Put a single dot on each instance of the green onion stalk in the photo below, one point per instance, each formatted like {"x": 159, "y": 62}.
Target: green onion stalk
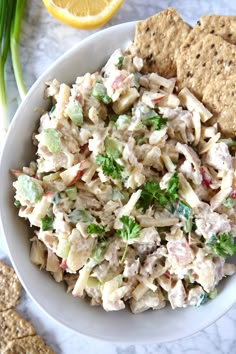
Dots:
{"x": 11, "y": 12}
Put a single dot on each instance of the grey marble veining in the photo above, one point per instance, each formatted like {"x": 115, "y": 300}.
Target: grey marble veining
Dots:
{"x": 43, "y": 40}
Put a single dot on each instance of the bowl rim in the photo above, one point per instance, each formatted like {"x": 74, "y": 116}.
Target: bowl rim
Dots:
{"x": 169, "y": 338}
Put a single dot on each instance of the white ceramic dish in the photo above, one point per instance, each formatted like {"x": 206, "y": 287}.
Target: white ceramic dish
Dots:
{"x": 122, "y": 326}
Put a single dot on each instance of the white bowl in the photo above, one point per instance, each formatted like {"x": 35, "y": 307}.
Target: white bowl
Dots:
{"x": 151, "y": 326}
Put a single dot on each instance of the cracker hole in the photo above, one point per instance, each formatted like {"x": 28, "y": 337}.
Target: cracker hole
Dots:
{"x": 204, "y": 64}
{"x": 223, "y": 25}
{"x": 212, "y": 31}
{"x": 212, "y": 46}
{"x": 147, "y": 29}
{"x": 198, "y": 23}
{"x": 197, "y": 56}
{"x": 229, "y": 35}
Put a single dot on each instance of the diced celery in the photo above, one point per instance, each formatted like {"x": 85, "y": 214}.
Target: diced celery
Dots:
{"x": 71, "y": 192}
{"x": 74, "y": 112}
{"x": 100, "y": 93}
{"x": 93, "y": 283}
{"x": 122, "y": 120}
{"x": 117, "y": 195}
{"x": 136, "y": 80}
{"x": 63, "y": 248}
{"x": 29, "y": 188}
{"x": 52, "y": 139}
{"x": 80, "y": 215}
{"x": 97, "y": 254}
{"x": 112, "y": 147}
{"x": 212, "y": 294}
{"x": 229, "y": 203}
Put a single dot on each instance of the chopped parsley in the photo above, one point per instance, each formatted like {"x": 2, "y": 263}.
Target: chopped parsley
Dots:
{"x": 96, "y": 229}
{"x": 120, "y": 62}
{"x": 17, "y": 203}
{"x": 223, "y": 245}
{"x": 157, "y": 121}
{"x": 130, "y": 230}
{"x": 109, "y": 166}
{"x": 47, "y": 223}
{"x": 152, "y": 193}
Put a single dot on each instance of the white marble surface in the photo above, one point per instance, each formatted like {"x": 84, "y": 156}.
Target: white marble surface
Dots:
{"x": 43, "y": 40}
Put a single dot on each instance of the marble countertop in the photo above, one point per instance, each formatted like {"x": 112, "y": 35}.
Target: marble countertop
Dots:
{"x": 43, "y": 40}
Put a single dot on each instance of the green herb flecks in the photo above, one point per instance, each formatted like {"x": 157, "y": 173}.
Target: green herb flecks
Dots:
{"x": 120, "y": 62}
{"x": 130, "y": 231}
{"x": 110, "y": 167}
{"x": 152, "y": 193}
{"x": 96, "y": 229}
{"x": 157, "y": 122}
{"x": 17, "y": 203}
{"x": 47, "y": 223}
{"x": 224, "y": 245}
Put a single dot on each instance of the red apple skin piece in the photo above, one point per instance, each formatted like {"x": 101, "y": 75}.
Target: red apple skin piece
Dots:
{"x": 71, "y": 175}
{"x": 75, "y": 179}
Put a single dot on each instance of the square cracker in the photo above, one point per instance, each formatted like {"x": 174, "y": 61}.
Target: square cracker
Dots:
{"x": 10, "y": 287}
{"x": 27, "y": 345}
{"x": 204, "y": 59}
{"x": 157, "y": 39}
{"x": 13, "y": 326}
{"x": 223, "y": 26}
{"x": 220, "y": 99}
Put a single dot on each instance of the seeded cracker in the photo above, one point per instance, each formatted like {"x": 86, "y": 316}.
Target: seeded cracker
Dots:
{"x": 10, "y": 287}
{"x": 27, "y": 345}
{"x": 220, "y": 100}
{"x": 204, "y": 59}
{"x": 223, "y": 26}
{"x": 13, "y": 326}
{"x": 206, "y": 65}
{"x": 157, "y": 40}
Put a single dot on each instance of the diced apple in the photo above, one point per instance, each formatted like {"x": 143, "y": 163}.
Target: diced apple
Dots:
{"x": 72, "y": 174}
{"x": 126, "y": 101}
{"x": 193, "y": 104}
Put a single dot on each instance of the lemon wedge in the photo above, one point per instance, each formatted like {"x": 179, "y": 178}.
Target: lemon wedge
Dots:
{"x": 84, "y": 14}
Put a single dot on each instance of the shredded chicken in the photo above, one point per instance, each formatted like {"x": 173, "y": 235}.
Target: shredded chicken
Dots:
{"x": 131, "y": 194}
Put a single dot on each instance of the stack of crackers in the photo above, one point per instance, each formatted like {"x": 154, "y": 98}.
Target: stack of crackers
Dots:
{"x": 203, "y": 59}
{"x": 17, "y": 336}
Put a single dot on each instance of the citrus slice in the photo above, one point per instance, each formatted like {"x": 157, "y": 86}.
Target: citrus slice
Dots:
{"x": 84, "y": 14}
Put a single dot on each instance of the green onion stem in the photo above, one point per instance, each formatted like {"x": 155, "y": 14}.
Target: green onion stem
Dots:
{"x": 6, "y": 16}
{"x": 14, "y": 42}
